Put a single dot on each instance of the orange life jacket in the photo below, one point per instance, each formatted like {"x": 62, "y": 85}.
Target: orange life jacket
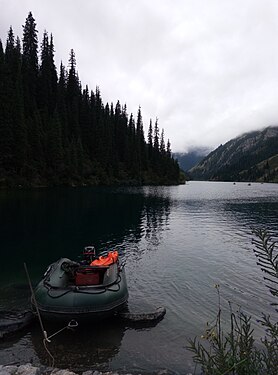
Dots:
{"x": 107, "y": 260}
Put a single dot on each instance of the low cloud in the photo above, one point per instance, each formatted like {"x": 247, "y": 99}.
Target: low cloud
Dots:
{"x": 207, "y": 69}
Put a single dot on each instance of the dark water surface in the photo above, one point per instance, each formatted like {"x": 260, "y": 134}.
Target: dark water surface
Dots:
{"x": 177, "y": 242}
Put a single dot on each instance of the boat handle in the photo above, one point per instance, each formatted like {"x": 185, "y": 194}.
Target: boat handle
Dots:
{"x": 73, "y": 324}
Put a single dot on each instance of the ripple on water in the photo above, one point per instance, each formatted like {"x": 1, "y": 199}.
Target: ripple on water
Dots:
{"x": 177, "y": 243}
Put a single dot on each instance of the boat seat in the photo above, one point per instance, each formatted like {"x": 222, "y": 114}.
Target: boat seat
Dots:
{"x": 89, "y": 275}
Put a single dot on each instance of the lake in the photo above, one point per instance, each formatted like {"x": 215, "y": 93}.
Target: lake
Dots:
{"x": 177, "y": 242}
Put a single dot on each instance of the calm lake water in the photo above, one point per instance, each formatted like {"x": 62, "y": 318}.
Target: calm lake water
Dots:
{"x": 177, "y": 243}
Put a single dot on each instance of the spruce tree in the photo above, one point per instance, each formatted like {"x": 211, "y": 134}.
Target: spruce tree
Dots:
{"x": 133, "y": 150}
{"x": 168, "y": 150}
{"x": 162, "y": 143}
{"x": 53, "y": 132}
{"x": 53, "y": 77}
{"x": 44, "y": 92}
{"x": 10, "y": 45}
{"x": 73, "y": 96}
{"x": 19, "y": 133}
{"x": 6, "y": 131}
{"x": 54, "y": 147}
{"x": 30, "y": 65}
{"x": 156, "y": 137}
{"x": 5, "y": 119}
{"x": 150, "y": 140}
{"x": 61, "y": 104}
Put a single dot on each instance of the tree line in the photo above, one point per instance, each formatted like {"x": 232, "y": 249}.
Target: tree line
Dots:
{"x": 53, "y": 131}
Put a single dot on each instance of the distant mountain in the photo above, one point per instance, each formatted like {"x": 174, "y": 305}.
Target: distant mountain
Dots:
{"x": 189, "y": 159}
{"x": 250, "y": 157}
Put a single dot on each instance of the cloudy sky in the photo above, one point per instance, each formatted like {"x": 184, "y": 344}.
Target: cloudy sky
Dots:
{"x": 208, "y": 69}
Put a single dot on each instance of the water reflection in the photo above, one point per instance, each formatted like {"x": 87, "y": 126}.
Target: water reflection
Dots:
{"x": 42, "y": 225}
{"x": 259, "y": 213}
{"x": 84, "y": 348}
{"x": 16, "y": 349}
{"x": 177, "y": 242}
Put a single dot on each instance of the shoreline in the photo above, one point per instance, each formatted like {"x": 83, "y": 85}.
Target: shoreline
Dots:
{"x": 29, "y": 369}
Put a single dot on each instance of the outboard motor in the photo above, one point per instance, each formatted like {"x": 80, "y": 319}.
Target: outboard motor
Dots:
{"x": 89, "y": 254}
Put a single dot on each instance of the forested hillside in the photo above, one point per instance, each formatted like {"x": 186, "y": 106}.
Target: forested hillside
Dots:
{"x": 250, "y": 157}
{"x": 53, "y": 131}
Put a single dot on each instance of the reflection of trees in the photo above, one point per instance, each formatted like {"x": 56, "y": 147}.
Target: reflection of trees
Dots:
{"x": 39, "y": 226}
{"x": 146, "y": 234}
{"x": 155, "y": 217}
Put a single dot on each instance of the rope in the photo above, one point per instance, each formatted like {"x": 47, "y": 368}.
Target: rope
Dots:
{"x": 50, "y": 355}
{"x": 70, "y": 325}
{"x": 35, "y": 302}
{"x": 46, "y": 339}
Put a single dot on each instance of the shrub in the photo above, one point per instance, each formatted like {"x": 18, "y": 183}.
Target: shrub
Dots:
{"x": 236, "y": 352}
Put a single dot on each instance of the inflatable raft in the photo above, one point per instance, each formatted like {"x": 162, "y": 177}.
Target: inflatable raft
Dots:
{"x": 87, "y": 290}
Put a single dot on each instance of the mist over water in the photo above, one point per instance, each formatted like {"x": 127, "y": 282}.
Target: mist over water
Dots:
{"x": 177, "y": 243}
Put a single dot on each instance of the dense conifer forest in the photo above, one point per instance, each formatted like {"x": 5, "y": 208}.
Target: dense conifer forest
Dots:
{"x": 53, "y": 131}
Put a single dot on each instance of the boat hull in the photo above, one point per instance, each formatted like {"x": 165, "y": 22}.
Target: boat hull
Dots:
{"x": 80, "y": 302}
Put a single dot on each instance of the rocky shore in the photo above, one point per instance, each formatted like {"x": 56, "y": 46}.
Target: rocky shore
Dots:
{"x": 29, "y": 369}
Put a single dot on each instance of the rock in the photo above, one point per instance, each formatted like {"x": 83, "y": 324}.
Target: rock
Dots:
{"x": 162, "y": 372}
{"x": 88, "y": 372}
{"x": 11, "y": 369}
{"x": 13, "y": 321}
{"x": 156, "y": 315}
{"x": 64, "y": 372}
{"x": 27, "y": 369}
{"x": 4, "y": 372}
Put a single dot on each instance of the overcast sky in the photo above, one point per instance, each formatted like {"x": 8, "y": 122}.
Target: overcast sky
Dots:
{"x": 208, "y": 69}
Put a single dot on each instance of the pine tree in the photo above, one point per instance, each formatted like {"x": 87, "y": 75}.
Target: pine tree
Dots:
{"x": 55, "y": 149}
{"x": 150, "y": 140}
{"x": 5, "y": 120}
{"x": 43, "y": 83}
{"x": 156, "y": 136}
{"x": 162, "y": 143}
{"x": 120, "y": 121}
{"x": 85, "y": 121}
{"x": 133, "y": 151}
{"x": 44, "y": 91}
{"x": 53, "y": 77}
{"x": 73, "y": 95}
{"x": 62, "y": 104}
{"x": 30, "y": 65}
{"x": 6, "y": 131}
{"x": 168, "y": 150}
{"x": 98, "y": 111}
{"x": 14, "y": 61}
{"x": 53, "y": 132}
{"x": 10, "y": 45}
{"x": 141, "y": 145}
